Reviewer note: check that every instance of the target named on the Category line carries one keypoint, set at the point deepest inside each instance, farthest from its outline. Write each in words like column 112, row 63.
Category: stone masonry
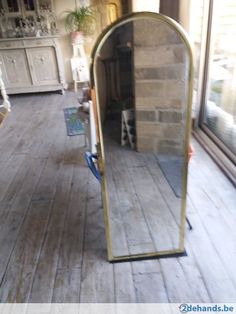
column 161, row 86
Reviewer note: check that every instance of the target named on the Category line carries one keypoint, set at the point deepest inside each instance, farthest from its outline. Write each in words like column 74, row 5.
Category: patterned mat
column 73, row 123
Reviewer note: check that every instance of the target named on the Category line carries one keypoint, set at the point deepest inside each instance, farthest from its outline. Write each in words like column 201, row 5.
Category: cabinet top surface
column 28, row 38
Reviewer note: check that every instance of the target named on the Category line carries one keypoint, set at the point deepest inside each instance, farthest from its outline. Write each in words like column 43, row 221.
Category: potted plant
column 78, row 22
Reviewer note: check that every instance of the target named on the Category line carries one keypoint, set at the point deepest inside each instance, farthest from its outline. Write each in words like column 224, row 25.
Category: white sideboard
column 32, row 64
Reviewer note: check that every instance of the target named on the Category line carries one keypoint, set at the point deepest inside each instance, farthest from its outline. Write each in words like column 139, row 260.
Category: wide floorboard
column 52, row 237
column 144, row 208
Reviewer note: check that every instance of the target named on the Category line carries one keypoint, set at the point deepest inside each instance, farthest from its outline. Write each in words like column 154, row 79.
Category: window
column 219, row 108
column 141, row 5
column 213, row 31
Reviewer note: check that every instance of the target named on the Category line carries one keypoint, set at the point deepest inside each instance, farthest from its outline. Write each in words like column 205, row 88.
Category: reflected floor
column 144, row 208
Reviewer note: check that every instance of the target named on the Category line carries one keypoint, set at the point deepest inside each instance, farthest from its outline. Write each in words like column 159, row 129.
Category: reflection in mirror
column 142, row 79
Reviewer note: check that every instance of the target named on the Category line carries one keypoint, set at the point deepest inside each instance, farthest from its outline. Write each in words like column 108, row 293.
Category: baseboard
column 224, row 163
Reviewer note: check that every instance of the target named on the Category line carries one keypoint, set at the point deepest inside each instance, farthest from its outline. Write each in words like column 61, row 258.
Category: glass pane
column 29, row 5
column 220, row 107
column 195, row 31
column 1, row 8
column 13, row 6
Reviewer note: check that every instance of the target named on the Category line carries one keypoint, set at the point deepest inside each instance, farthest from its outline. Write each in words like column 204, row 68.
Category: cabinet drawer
column 11, row 44
column 39, row 42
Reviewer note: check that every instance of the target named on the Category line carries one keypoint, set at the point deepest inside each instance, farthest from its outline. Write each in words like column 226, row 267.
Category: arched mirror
column 142, row 78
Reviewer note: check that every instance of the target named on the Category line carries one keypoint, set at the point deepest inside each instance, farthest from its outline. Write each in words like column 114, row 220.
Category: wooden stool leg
column 75, row 86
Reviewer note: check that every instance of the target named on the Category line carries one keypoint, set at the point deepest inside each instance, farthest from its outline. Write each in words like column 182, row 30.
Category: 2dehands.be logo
column 185, row 308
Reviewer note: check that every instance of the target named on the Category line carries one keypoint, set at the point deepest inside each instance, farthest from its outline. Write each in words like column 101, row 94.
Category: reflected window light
column 112, row 12
column 141, row 5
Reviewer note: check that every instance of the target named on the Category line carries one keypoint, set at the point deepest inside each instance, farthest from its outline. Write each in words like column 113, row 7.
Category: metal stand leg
column 189, row 224
column 75, row 86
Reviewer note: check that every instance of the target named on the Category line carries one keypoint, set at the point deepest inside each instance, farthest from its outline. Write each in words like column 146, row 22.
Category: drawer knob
column 42, row 59
column 13, row 61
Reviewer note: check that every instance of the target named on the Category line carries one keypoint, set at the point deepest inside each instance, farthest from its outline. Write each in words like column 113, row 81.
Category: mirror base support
column 143, row 258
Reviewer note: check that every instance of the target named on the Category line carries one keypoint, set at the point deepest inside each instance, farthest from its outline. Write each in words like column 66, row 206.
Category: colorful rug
column 73, row 123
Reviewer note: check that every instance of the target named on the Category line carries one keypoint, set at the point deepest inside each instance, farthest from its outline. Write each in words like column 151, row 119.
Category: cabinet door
column 15, row 68
column 43, row 65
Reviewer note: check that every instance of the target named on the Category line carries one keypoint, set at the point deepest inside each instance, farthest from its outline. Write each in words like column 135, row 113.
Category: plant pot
column 77, row 38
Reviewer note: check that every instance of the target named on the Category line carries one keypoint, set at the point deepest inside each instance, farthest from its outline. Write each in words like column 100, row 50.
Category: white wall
column 138, row 5
column 60, row 7
column 184, row 14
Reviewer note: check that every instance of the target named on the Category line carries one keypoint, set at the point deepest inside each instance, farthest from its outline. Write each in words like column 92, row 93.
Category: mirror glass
column 142, row 70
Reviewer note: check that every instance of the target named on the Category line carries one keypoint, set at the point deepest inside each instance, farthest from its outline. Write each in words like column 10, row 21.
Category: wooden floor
column 52, row 240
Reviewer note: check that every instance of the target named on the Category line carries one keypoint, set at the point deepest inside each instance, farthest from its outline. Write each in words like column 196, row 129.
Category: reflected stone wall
column 160, row 76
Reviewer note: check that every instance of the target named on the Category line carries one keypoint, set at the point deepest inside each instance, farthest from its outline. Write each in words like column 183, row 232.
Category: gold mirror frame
column 100, row 144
